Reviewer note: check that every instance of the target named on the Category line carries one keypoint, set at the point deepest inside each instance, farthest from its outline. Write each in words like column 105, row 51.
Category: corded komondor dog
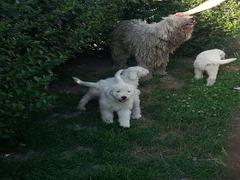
column 130, row 75
column 120, row 97
column 150, row 44
column 210, row 61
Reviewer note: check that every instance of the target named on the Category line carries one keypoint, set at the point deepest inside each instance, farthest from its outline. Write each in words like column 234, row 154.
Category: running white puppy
column 120, row 97
column 130, row 75
column 210, row 61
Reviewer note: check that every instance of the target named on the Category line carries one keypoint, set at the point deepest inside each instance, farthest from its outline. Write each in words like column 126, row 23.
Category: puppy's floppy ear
column 109, row 92
column 132, row 75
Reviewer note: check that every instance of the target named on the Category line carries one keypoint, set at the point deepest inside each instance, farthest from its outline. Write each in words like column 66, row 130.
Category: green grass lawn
column 184, row 133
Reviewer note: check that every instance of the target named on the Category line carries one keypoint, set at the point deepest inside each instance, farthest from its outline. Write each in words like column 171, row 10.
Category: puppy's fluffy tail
column 87, row 84
column 118, row 75
column 224, row 61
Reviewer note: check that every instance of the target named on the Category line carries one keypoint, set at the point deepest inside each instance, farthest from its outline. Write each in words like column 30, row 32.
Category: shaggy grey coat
column 150, row 44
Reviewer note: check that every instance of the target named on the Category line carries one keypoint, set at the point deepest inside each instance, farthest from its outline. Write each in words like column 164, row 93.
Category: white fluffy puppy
column 210, row 61
column 130, row 75
column 120, row 97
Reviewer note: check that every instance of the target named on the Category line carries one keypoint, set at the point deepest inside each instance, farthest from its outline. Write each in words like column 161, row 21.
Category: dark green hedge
column 38, row 35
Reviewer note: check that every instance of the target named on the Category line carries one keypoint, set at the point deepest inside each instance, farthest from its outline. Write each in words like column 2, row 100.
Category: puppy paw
column 125, row 126
column 107, row 121
column 81, row 108
column 136, row 116
column 209, row 83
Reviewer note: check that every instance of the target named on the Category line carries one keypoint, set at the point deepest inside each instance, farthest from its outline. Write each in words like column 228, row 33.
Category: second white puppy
column 130, row 75
column 120, row 97
column 210, row 61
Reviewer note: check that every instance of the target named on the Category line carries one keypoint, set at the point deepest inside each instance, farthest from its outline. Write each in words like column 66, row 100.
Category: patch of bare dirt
column 170, row 82
column 68, row 88
column 234, row 149
column 85, row 67
column 94, row 69
column 231, row 67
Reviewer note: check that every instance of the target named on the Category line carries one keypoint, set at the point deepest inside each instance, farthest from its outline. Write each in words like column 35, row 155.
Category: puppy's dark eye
column 118, row 91
column 129, row 91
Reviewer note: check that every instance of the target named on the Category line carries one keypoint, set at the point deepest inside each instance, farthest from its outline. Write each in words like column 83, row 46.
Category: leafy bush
column 36, row 36
column 214, row 27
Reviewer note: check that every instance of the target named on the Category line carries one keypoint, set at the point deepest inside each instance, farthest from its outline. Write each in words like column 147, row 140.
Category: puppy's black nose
column 123, row 97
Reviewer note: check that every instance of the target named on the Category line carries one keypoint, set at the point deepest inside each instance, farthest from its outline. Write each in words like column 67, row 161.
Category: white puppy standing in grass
column 120, row 97
column 130, row 75
column 210, row 61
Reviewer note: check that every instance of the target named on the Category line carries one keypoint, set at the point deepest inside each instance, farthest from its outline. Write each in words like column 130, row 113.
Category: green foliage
column 150, row 10
column 215, row 27
column 36, row 36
